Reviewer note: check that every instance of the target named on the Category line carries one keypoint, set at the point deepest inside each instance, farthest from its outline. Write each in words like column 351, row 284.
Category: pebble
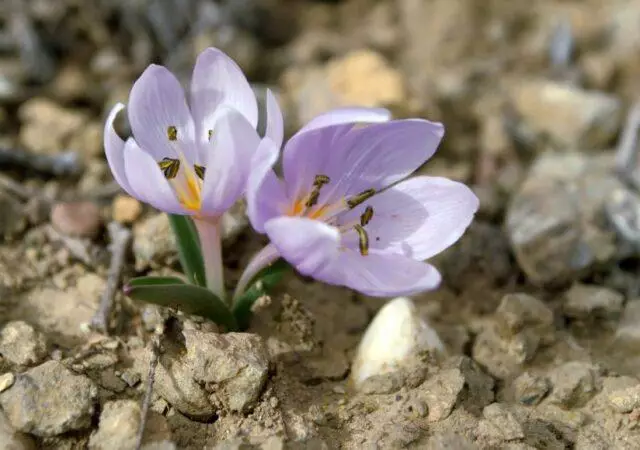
column 126, row 209
column 629, row 326
column 530, row 389
column 573, row 384
column 22, row 345
column 80, row 218
column 441, row 393
column 625, row 400
column 6, row 381
column 395, row 342
column 119, row 424
column 361, row 77
column 49, row 400
column 519, row 311
column 573, row 118
column 500, row 423
column 214, row 372
column 590, row 301
column 554, row 221
column 48, row 128
column 10, row 439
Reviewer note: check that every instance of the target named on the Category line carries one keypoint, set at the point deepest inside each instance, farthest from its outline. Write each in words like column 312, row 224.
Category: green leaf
column 174, row 293
column 188, row 248
column 266, row 279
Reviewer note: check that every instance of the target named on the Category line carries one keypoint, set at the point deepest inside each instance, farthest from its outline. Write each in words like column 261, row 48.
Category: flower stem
column 211, row 247
column 259, row 261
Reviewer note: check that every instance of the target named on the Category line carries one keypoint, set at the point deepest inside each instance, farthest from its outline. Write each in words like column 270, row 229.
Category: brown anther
column 169, row 167
column 321, row 180
column 210, row 134
column 360, row 198
column 313, row 197
column 172, row 133
column 366, row 216
column 200, row 171
column 363, row 238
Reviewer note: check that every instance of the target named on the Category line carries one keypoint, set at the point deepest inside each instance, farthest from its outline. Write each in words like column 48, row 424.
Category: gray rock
column 479, row 391
column 22, row 345
column 49, row 400
column 554, row 222
column 119, row 424
column 573, row 384
column 10, row 439
column 571, row 117
column 625, row 400
column 441, row 393
column 566, row 422
column 628, row 331
column 584, row 302
column 450, row 441
column 529, row 389
column 215, row 372
column 499, row 423
column 519, row 311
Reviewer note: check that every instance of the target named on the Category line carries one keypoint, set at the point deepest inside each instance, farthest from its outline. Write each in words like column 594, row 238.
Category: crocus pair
column 341, row 213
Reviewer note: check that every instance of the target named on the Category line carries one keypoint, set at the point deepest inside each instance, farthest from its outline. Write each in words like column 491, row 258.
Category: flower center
column 308, row 206
column 186, row 180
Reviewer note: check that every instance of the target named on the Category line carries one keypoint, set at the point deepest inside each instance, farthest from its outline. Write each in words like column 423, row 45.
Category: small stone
column 585, row 301
column 625, row 400
column 480, row 387
column 396, row 341
column 554, row 221
column 47, row 127
column 519, row 311
column 450, row 441
column 628, row 331
column 215, row 372
column 49, row 400
column 573, row 118
column 76, row 218
column 573, row 384
column 126, row 209
column 441, row 392
column 22, row 345
column 500, row 423
column 10, row 439
column 529, row 389
column 567, row 422
column 13, row 220
column 6, row 381
column 119, row 424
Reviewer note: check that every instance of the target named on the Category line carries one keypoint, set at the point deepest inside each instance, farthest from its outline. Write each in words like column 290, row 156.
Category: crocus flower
column 190, row 158
column 342, row 213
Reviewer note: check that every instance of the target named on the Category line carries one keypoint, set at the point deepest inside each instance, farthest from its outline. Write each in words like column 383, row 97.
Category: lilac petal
column 344, row 115
column 147, row 181
column 275, row 125
column 266, row 196
column 419, row 217
column 157, row 102
column 309, row 245
column 218, row 81
column 229, row 162
column 380, row 155
column 315, row 148
column 385, row 275
column 114, row 150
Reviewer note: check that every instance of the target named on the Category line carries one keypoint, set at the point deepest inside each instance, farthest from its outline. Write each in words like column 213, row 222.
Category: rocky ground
column 539, row 313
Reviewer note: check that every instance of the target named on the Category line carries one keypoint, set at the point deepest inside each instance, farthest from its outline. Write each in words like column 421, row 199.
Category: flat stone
column 573, row 118
column 500, row 423
column 49, row 400
column 22, row 345
column 585, row 301
column 80, row 218
column 573, row 384
column 554, row 221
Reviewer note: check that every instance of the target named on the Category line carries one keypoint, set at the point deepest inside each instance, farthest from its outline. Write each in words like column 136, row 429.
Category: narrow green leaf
column 266, row 279
column 188, row 248
column 153, row 281
column 184, row 297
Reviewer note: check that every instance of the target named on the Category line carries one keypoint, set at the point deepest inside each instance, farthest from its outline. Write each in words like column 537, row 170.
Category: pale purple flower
column 189, row 157
column 342, row 213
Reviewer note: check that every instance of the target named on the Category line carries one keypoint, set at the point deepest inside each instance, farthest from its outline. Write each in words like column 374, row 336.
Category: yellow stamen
column 360, row 198
column 366, row 216
column 172, row 133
